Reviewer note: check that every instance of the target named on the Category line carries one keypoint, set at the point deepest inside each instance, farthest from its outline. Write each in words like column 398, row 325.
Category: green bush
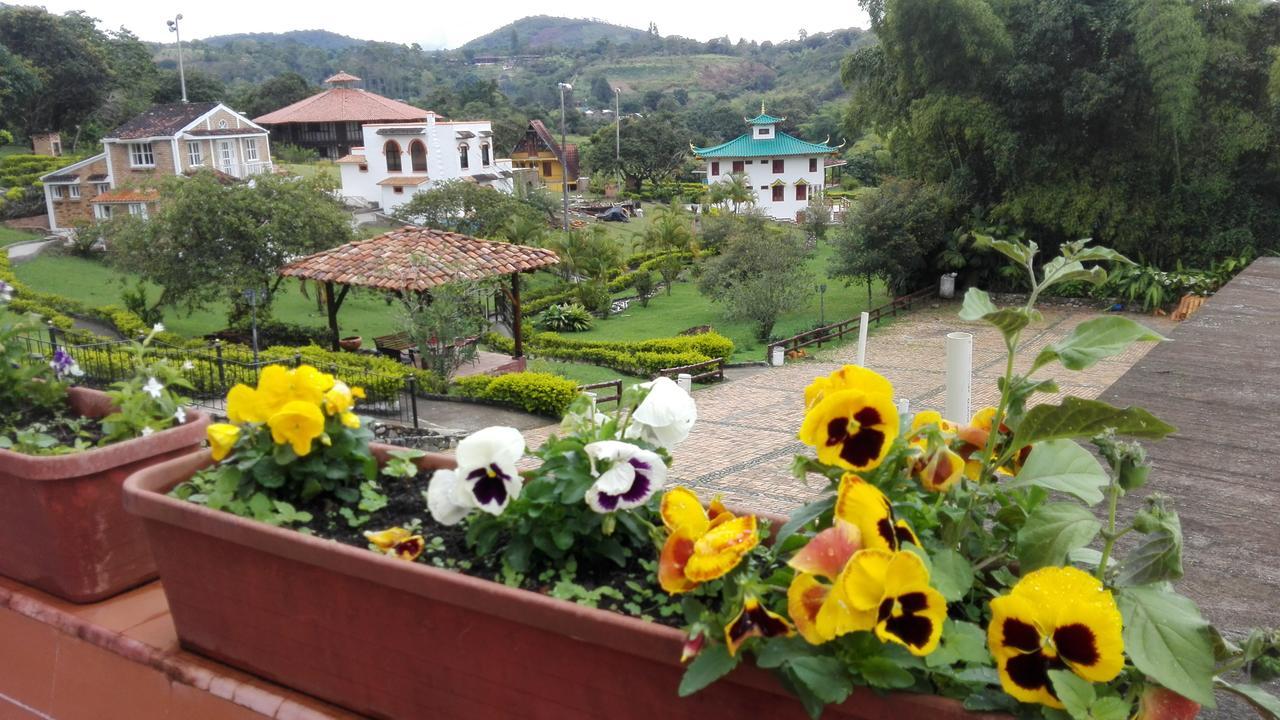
column 534, row 392
column 642, row 357
column 570, row 317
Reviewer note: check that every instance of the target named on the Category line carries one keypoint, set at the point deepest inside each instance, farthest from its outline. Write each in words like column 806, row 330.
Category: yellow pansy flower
column 397, row 542
column 350, row 420
column 754, row 620
column 338, row 399
column 849, row 377
column 1055, row 618
column 243, row 405
column 297, row 423
column 222, row 437
column 892, row 589
column 818, row 608
column 851, row 428
column 703, row 544
column 864, row 506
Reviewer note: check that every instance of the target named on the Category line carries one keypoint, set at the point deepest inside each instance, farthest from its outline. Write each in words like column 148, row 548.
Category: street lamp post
column 822, row 305
column 617, row 129
column 182, row 75
column 564, row 160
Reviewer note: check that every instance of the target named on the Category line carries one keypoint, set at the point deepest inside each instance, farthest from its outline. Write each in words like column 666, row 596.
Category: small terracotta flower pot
column 63, row 528
column 351, row 344
column 395, row 639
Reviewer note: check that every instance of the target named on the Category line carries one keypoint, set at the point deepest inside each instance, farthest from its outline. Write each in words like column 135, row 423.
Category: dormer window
column 762, row 131
column 141, row 155
column 463, row 160
column 222, row 124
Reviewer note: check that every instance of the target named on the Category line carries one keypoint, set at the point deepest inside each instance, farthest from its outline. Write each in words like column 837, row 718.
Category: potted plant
column 351, row 343
column 64, row 454
column 957, row 563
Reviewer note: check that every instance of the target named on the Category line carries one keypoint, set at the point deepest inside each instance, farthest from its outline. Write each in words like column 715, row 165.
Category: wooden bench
column 394, row 345
column 1189, row 304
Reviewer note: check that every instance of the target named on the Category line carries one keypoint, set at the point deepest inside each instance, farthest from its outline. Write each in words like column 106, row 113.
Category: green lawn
column 307, row 170
column 363, row 313
column 686, row 308
column 14, row 150
column 583, row 374
column 9, row 236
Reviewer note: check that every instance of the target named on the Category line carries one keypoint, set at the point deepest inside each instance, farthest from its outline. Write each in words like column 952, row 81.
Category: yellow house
column 539, row 151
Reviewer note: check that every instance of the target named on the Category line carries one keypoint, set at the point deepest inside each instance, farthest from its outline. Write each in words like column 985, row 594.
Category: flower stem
column 1110, row 533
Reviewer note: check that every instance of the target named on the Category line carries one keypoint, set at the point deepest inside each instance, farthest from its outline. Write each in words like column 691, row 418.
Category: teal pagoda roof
column 765, row 119
column 781, row 144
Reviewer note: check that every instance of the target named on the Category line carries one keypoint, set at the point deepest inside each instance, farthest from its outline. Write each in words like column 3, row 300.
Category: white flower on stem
column 6, row 291
column 157, row 328
column 188, row 365
column 180, row 415
column 628, row 475
column 153, row 388
column 146, row 431
column 665, row 416
column 487, row 467
column 448, row 498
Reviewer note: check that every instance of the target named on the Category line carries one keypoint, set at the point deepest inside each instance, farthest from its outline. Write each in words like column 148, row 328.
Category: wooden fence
column 837, row 331
column 709, row 371
column 616, row 397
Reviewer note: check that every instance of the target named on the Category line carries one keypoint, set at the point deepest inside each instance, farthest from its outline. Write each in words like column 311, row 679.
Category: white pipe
column 959, row 376
column 862, row 339
column 685, row 381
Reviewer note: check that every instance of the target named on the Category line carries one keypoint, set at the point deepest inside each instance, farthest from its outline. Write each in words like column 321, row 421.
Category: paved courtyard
column 745, row 437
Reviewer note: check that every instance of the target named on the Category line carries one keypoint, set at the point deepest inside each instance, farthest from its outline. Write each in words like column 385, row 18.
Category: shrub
column 642, row 283
column 285, row 152
column 596, row 297
column 534, row 392
column 570, row 317
column 643, row 357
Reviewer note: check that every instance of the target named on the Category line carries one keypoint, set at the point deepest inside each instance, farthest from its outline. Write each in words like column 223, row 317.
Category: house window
column 778, row 165
column 546, row 168
column 138, row 209
column 353, row 130
column 484, row 155
column 57, row 191
column 778, row 191
column 56, row 148
column 102, row 212
column 739, row 166
column 397, row 190
column 194, row 155
column 73, row 191
column 813, row 164
column 392, row 151
column 418, row 156
column 364, row 167
column 802, row 192
column 141, row 155
column 762, row 131
column 462, row 156
column 251, row 149
column 102, row 188
column 715, row 167
column 222, row 124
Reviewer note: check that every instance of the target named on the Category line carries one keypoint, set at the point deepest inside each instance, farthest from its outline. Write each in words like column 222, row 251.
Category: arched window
column 418, row 156
column 484, row 155
column 463, row 160
column 392, row 150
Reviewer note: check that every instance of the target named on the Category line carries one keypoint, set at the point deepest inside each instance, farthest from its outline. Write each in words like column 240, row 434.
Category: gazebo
column 414, row 259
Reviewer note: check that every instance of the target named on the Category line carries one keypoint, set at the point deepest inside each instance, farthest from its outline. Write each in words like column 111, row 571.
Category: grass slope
column 9, row 236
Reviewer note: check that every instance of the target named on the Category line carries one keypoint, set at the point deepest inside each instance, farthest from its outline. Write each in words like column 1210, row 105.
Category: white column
column 862, row 339
column 685, row 381
column 959, row 376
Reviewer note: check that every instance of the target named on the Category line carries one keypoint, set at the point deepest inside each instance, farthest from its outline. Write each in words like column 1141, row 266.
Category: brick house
column 174, row 139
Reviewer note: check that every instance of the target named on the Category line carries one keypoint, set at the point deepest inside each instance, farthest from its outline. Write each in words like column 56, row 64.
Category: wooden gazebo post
column 331, row 304
column 517, row 333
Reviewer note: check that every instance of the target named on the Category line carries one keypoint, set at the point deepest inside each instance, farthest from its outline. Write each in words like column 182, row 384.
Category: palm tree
column 669, row 230
column 524, row 229
column 735, row 189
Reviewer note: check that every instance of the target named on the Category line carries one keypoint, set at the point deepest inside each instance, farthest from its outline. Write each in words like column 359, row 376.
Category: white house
column 783, row 171
column 400, row 159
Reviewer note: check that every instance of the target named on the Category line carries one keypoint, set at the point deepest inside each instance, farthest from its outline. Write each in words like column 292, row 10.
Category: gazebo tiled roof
column 418, row 259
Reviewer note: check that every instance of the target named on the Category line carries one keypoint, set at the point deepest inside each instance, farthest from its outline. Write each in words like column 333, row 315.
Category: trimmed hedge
column 642, row 357
column 619, row 280
column 534, row 392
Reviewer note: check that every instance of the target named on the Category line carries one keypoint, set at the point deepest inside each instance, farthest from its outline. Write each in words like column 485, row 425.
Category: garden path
column 26, row 250
column 745, row 437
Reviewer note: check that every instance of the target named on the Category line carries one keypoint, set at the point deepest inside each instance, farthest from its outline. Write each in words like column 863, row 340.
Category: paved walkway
column 745, row 438
column 26, row 250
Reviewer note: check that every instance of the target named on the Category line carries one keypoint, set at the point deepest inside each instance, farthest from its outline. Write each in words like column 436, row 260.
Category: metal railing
column 837, row 331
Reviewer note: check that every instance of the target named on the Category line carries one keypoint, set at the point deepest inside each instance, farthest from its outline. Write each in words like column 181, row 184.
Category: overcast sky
column 444, row 24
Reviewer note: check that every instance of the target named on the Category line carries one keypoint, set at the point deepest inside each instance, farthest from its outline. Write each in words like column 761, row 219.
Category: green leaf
column 1266, row 704
column 1076, row 693
column 773, row 652
column 1015, row 251
column 712, row 663
column 952, row 574
column 1157, row 558
column 1052, row 531
column 1166, row 638
column 977, row 305
column 882, row 672
column 1111, row 708
column 825, row 677
column 1064, row 466
column 1077, row 417
column 803, row 516
column 962, row 642
column 1094, row 340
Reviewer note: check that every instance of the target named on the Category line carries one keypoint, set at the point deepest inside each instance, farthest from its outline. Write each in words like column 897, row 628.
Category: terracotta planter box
column 406, row 640
column 63, row 528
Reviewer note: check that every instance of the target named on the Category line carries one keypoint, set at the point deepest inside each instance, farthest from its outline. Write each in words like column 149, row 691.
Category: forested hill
column 321, row 39
column 543, row 31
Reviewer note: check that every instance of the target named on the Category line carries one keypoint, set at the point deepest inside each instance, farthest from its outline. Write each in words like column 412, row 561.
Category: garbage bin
column 776, row 356
column 947, row 286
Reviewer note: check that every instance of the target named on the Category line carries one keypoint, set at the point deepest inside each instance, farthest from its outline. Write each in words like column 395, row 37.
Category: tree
column 210, row 241
column 817, row 218
column 273, row 94
column 669, row 231
column 65, row 54
column 652, row 148
column 440, row 321
column 586, row 254
column 18, row 82
column 760, row 274
column 735, row 188
column 601, row 90
column 200, row 87
column 893, row 234
column 466, row 208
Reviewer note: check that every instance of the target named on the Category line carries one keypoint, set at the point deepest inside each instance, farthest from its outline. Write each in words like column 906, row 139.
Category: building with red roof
column 331, row 121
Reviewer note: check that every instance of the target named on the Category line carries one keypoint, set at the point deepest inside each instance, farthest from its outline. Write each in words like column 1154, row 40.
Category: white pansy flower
column 665, row 416
column 487, row 467
column 628, row 475
column 448, row 499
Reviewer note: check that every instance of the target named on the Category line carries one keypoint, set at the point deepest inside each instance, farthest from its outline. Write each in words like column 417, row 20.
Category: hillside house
column 174, row 139
column 538, row 151
column 49, row 143
column 331, row 122
column 783, row 171
column 400, row 159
